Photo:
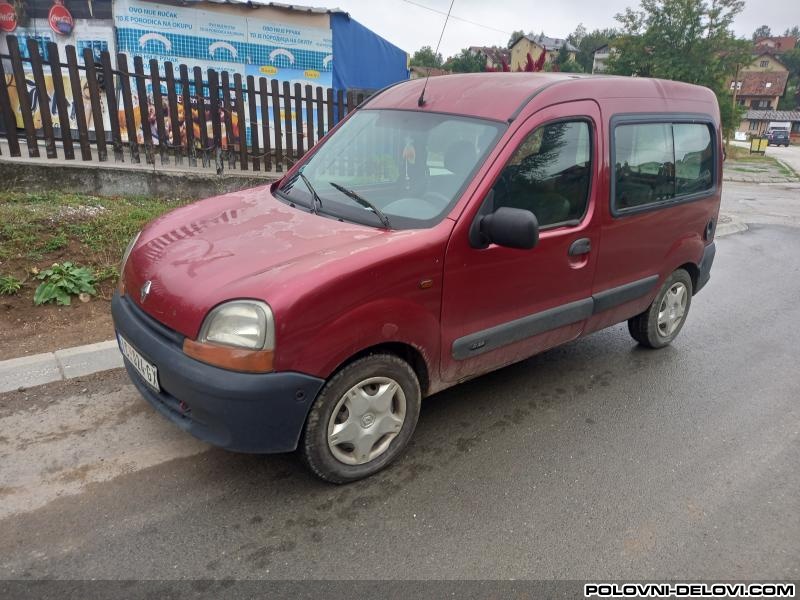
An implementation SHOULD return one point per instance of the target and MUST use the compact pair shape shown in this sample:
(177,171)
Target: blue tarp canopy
(363,59)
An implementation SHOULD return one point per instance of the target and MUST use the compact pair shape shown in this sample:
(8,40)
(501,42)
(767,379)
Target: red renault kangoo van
(425,241)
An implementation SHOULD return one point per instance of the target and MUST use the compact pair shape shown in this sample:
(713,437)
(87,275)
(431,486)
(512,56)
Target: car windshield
(404,167)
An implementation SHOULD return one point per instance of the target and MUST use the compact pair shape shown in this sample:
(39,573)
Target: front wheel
(362,419)
(662,321)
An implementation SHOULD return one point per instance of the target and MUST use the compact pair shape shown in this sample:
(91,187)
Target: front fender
(377,322)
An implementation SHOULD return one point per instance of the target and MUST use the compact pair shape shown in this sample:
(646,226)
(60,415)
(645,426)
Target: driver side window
(549,174)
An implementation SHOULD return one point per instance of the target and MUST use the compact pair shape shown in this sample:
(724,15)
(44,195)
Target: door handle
(580,246)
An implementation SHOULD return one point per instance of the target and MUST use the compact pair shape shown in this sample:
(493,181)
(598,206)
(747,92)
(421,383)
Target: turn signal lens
(228,357)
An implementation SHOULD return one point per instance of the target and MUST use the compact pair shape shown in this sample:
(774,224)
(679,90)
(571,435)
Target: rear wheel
(662,321)
(362,419)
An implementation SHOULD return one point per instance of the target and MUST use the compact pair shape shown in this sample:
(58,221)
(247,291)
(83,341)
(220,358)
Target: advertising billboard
(247,45)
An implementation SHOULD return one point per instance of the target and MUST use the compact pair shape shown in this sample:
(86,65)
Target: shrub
(9,285)
(62,281)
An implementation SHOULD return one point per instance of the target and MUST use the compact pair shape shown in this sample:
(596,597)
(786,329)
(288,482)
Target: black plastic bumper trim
(245,412)
(704,267)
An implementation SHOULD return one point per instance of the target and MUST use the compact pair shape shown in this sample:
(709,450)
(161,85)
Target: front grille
(147,322)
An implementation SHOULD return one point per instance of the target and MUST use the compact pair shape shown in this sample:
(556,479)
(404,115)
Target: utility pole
(733,105)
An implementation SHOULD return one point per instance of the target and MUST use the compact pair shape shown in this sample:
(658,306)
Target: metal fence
(157,113)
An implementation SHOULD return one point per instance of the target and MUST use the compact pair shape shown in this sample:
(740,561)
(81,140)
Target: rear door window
(644,164)
(657,163)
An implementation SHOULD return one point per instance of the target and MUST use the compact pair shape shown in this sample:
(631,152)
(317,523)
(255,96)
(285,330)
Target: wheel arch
(694,273)
(407,352)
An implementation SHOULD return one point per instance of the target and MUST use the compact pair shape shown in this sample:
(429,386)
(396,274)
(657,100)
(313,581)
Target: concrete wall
(109,180)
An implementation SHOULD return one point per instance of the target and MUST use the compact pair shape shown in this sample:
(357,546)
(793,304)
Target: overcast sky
(409,26)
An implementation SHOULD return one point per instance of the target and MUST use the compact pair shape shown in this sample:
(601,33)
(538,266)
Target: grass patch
(747,170)
(787,171)
(740,160)
(85,229)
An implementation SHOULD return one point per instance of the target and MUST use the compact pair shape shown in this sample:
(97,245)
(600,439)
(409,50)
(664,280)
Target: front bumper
(245,412)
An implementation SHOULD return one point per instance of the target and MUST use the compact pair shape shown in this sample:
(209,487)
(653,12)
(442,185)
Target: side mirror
(510,227)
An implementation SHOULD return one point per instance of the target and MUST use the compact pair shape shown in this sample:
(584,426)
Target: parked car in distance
(427,240)
(778,137)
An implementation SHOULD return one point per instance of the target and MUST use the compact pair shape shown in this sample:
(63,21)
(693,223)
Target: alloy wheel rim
(365,420)
(672,309)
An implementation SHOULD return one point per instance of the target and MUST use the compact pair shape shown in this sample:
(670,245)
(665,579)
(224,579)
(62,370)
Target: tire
(646,329)
(373,402)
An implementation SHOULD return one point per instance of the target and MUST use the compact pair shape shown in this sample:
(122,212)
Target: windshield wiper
(316,201)
(363,202)
(289,184)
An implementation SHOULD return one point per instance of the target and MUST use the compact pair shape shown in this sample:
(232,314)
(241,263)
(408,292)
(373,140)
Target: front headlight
(238,335)
(241,323)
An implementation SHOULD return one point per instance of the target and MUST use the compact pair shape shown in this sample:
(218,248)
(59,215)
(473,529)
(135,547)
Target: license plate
(147,370)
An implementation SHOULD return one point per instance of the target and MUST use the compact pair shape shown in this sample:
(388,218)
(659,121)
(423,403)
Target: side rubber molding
(705,266)
(495,337)
(245,412)
(623,293)
(475,344)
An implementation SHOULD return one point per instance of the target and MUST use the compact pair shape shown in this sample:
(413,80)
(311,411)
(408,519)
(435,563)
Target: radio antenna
(421,100)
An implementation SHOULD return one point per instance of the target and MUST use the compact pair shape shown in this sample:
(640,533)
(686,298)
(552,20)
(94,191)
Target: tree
(684,40)
(515,35)
(425,57)
(587,43)
(762,32)
(791,98)
(794,32)
(466,62)
(576,37)
(564,62)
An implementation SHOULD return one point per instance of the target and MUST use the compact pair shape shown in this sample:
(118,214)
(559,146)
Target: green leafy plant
(62,281)
(57,242)
(107,272)
(9,285)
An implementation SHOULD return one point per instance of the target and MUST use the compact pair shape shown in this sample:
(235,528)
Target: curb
(728,225)
(30,371)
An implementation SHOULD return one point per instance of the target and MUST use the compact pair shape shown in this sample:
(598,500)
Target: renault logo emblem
(145,290)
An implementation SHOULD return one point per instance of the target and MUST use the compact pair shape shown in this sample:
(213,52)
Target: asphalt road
(597,460)
(789,154)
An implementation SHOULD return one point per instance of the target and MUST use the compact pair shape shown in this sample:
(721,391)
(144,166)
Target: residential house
(756,122)
(765,61)
(775,45)
(494,56)
(759,89)
(601,56)
(535,45)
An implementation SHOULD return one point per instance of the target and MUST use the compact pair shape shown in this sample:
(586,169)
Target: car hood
(240,245)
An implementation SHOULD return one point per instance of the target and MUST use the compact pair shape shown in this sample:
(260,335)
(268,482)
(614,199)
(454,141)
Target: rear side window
(549,174)
(694,162)
(659,162)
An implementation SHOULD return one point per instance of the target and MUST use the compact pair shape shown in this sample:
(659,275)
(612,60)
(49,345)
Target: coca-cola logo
(8,17)
(60,19)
